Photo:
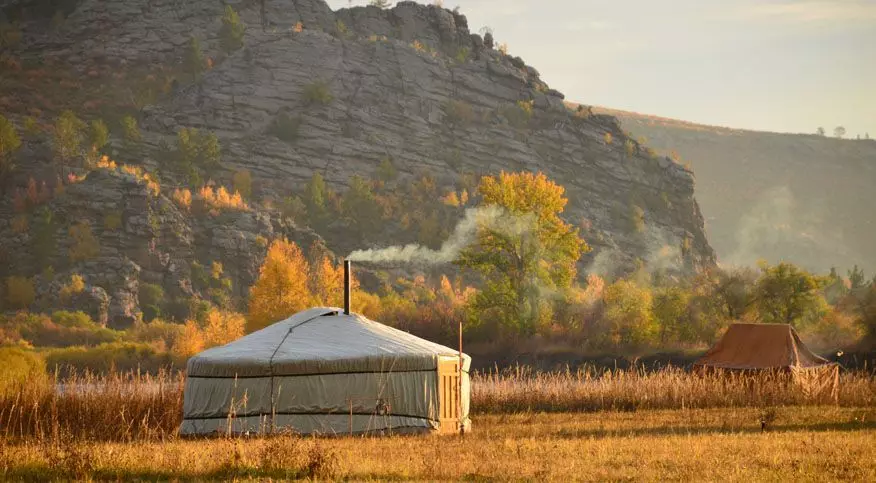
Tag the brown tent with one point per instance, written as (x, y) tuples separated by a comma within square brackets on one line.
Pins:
[(772, 347)]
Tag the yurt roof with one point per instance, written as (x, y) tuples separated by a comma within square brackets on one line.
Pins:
[(321, 340), (760, 346)]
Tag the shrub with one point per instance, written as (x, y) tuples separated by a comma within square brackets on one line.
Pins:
[(130, 131), (194, 59), (19, 292), (242, 182), (9, 143), (20, 366), (20, 224), (637, 218), (76, 286), (608, 138), (458, 113), (151, 298), (518, 115), (196, 149), (232, 30), (83, 245), (221, 199), (629, 147), (183, 198), (109, 357), (31, 127), (62, 329), (285, 127), (159, 334), (112, 221), (462, 55), (223, 327), (386, 172), (318, 92)]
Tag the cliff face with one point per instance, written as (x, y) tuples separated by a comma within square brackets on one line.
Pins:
[(410, 85), (802, 198)]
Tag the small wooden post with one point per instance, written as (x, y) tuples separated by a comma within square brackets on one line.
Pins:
[(459, 387)]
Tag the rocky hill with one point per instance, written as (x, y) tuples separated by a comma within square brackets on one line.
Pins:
[(803, 198), (309, 90)]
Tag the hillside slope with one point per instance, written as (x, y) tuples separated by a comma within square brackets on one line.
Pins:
[(356, 89), (803, 198)]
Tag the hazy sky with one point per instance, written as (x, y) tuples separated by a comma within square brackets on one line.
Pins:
[(774, 65)]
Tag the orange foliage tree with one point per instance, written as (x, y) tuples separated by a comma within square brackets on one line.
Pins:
[(281, 289)]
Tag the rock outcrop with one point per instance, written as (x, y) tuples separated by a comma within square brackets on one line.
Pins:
[(411, 84)]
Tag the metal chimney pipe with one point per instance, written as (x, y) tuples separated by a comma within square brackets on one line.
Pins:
[(348, 272)]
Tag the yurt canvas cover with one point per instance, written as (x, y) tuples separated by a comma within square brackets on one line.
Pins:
[(758, 347), (324, 371)]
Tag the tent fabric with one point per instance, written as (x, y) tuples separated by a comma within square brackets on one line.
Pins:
[(760, 346), (773, 347), (319, 371)]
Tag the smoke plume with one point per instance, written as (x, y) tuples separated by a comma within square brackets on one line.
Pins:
[(462, 236)]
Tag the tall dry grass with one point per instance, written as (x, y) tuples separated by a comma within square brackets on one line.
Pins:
[(115, 407), (141, 407), (590, 389)]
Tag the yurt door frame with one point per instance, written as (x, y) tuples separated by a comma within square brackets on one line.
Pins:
[(448, 395)]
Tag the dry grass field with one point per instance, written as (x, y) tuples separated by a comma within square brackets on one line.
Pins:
[(582, 425), (802, 444)]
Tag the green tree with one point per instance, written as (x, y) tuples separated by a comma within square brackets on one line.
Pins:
[(670, 309), (197, 150), (628, 313), (786, 294), (379, 3), (733, 291), (9, 143), (98, 134), (194, 63), (68, 136), (315, 199), (523, 250), (232, 30), (856, 277), (361, 207)]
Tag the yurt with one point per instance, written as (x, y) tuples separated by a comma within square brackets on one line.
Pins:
[(327, 371), (775, 348)]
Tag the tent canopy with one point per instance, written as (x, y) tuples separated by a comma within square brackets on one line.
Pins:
[(321, 340), (760, 346)]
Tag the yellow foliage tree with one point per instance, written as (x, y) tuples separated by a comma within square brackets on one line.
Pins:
[(223, 327), (281, 289), (327, 282), (190, 341)]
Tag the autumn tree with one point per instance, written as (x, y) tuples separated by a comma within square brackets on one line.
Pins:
[(326, 279), (281, 289), (786, 294), (9, 143), (522, 249), (222, 327)]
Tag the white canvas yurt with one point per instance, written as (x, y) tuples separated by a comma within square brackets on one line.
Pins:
[(327, 371)]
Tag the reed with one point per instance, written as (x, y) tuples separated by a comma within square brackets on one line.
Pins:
[(131, 406)]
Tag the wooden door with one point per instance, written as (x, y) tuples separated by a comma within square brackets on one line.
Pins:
[(448, 395)]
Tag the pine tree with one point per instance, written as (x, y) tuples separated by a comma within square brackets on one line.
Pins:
[(232, 30), (194, 61)]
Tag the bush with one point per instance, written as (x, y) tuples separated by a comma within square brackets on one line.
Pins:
[(159, 334), (318, 92), (19, 292), (285, 127), (194, 59), (197, 150), (130, 131), (9, 143), (62, 329), (20, 366), (458, 113), (84, 245), (67, 136), (76, 286), (98, 134), (242, 182), (151, 298), (518, 115), (110, 357)]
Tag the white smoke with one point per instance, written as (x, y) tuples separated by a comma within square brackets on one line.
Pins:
[(463, 235)]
